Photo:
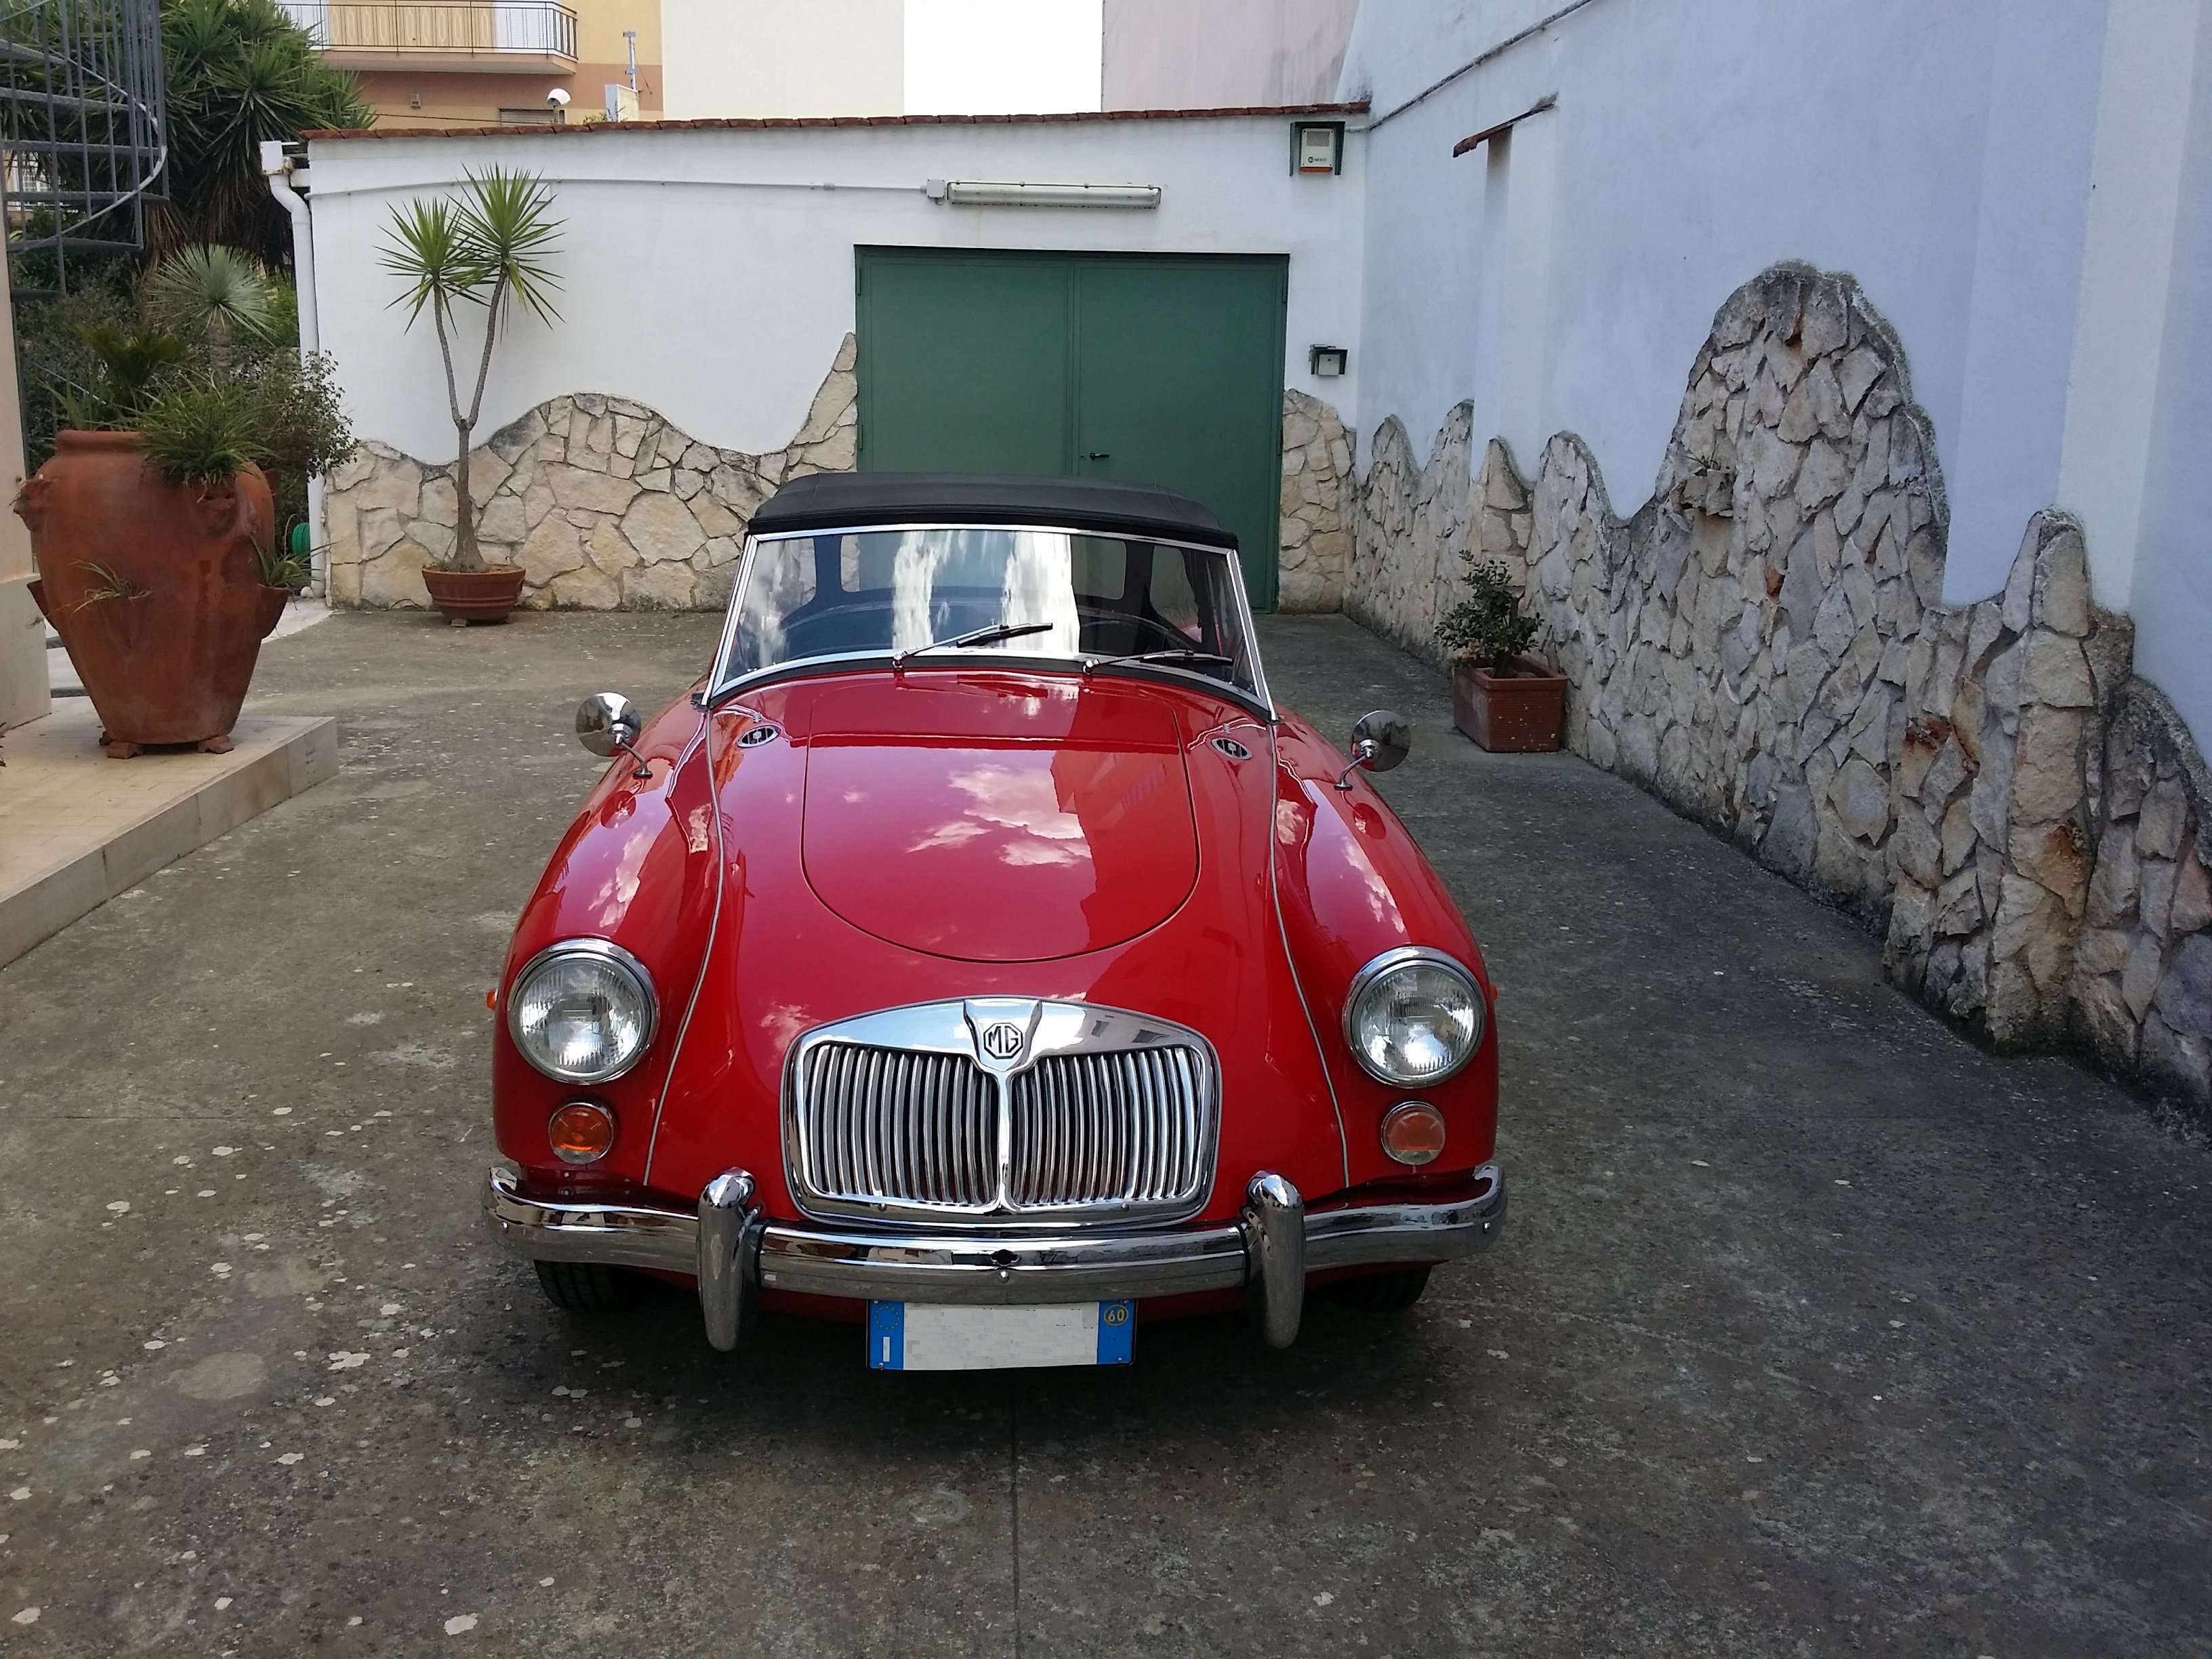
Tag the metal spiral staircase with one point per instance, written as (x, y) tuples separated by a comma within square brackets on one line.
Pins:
[(82, 138)]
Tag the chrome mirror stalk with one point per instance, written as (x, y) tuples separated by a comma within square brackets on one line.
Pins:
[(607, 724), (1380, 742)]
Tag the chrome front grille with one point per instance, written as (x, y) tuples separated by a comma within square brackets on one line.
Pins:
[(888, 1122), (995, 1110), (1119, 1128)]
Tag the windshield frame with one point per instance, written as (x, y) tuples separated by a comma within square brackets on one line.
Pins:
[(722, 687)]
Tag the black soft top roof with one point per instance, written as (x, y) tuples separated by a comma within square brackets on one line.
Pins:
[(841, 500)]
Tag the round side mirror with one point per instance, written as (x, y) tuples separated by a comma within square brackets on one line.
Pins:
[(606, 724), (1381, 740)]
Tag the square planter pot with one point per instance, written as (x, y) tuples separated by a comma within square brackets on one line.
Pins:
[(1516, 714)]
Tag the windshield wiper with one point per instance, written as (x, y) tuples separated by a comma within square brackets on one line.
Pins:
[(990, 635), (1171, 656)]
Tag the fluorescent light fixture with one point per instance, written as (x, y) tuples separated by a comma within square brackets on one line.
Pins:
[(971, 192)]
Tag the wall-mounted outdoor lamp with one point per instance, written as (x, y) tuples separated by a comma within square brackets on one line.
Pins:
[(1329, 362), (1317, 147), (970, 192)]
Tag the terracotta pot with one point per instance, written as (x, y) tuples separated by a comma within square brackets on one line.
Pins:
[(1517, 714), (153, 586), (273, 601), (467, 596)]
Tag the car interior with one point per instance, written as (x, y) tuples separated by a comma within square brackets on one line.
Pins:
[(1130, 597)]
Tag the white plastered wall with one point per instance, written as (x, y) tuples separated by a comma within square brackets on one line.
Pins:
[(2020, 188), (709, 274)]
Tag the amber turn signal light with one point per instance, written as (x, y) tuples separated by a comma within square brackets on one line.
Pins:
[(1413, 1132), (581, 1132)]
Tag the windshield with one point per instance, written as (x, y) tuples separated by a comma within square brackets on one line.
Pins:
[(1053, 595)]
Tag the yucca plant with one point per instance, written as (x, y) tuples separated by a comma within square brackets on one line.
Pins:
[(491, 249), (238, 72), (212, 295)]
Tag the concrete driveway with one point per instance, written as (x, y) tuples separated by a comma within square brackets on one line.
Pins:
[(1816, 1329)]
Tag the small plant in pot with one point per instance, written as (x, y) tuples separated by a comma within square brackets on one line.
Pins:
[(488, 249), (1503, 698), (144, 541), (148, 520)]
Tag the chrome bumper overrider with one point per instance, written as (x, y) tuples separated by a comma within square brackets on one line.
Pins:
[(733, 1251)]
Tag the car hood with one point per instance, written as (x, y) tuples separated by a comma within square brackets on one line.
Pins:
[(986, 824), (779, 960)]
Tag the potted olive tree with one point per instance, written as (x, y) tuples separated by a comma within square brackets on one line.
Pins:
[(487, 249), (153, 522), (1503, 699)]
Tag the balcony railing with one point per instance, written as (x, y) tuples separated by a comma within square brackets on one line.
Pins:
[(417, 31)]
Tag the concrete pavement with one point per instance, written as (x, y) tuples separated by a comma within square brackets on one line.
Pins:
[(1816, 1329)]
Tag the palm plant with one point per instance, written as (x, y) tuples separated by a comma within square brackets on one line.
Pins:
[(491, 248), (129, 365), (239, 72)]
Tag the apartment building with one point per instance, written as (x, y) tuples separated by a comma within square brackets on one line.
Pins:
[(476, 62)]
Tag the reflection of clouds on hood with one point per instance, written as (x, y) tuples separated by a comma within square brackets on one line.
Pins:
[(620, 887), (1024, 802), (957, 833), (1029, 853)]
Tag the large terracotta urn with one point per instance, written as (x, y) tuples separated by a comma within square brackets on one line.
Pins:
[(155, 587)]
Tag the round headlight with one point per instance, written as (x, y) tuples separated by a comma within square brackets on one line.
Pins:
[(581, 1011), (1414, 1016)]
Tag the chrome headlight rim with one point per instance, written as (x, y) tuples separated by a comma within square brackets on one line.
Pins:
[(603, 950), (1400, 957)]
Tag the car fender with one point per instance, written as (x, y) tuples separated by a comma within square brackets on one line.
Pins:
[(1351, 883), (637, 868)]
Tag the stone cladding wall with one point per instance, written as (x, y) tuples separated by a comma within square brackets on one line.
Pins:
[(1316, 522), (2142, 987), (1765, 645), (1410, 525), (606, 504)]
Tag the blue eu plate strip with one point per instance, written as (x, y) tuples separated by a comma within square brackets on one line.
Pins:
[(887, 1336), (1117, 1331)]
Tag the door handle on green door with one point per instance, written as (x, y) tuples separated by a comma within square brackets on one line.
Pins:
[(1098, 455)]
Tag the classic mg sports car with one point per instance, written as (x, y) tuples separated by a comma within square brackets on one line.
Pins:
[(979, 952)]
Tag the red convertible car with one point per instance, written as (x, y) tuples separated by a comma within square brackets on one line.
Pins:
[(979, 951)]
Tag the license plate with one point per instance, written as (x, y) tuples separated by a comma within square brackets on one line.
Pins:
[(914, 1336)]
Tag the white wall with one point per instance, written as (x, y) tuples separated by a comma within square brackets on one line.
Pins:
[(781, 57), (1219, 54), (2023, 187), (709, 273), (1696, 142), (2172, 581)]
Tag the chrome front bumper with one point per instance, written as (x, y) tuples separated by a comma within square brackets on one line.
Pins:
[(733, 1251)]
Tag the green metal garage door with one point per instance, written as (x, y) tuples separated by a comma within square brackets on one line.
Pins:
[(1158, 369)]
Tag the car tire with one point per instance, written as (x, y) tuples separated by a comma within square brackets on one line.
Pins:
[(586, 1287), (1385, 1293)]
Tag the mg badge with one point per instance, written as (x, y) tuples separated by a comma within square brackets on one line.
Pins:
[(1001, 1039)]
